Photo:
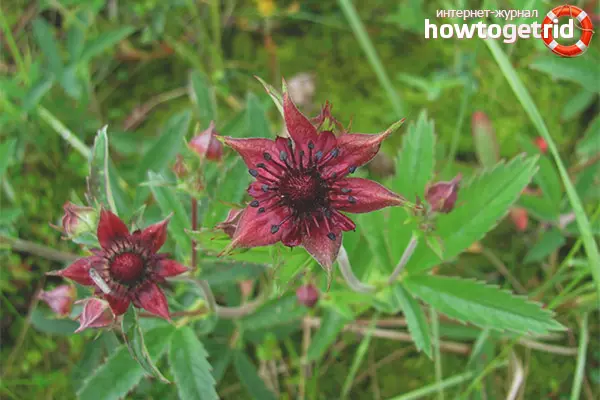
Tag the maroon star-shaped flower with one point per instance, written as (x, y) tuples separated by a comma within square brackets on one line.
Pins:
[(127, 268), (302, 189)]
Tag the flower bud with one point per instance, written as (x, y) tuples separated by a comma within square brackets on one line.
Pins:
[(441, 196), (541, 144), (78, 220), (96, 314), (60, 299), (520, 218), (230, 224), (207, 145), (307, 295)]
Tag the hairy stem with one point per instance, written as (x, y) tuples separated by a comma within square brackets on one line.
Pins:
[(408, 252), (39, 250), (351, 279)]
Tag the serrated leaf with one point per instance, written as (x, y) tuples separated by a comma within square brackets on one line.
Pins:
[(202, 94), (274, 94), (121, 373), (582, 70), (104, 42), (190, 367), (134, 339), (37, 91), (45, 38), (331, 326), (577, 104), (221, 273), (98, 182), (247, 374), (169, 202), (550, 241), (258, 125), (415, 319), (55, 326), (483, 305), (7, 155), (275, 312), (415, 161), (479, 207)]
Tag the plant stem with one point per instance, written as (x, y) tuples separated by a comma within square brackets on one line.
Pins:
[(194, 228), (39, 250), (435, 330), (351, 279), (580, 369), (64, 132), (408, 252)]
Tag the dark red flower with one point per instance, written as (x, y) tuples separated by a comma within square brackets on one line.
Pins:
[(60, 299), (78, 219), (441, 196), (206, 144), (301, 186), (541, 144), (127, 268), (96, 314), (307, 295)]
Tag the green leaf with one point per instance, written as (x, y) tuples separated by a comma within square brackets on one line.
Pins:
[(121, 373), (37, 91), (415, 319), (88, 361), (484, 140), (222, 273), (134, 338), (258, 125), (274, 94), (202, 94), (581, 70), (479, 207), (45, 38), (483, 305), (359, 356), (104, 42), (275, 312), (43, 323), (98, 181), (247, 374), (190, 367), (331, 326), (550, 241), (7, 154), (416, 159), (547, 177), (577, 104), (169, 202)]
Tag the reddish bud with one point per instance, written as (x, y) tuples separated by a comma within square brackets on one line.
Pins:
[(441, 196), (60, 299), (307, 295), (179, 168), (207, 145), (96, 314), (541, 144), (230, 224), (78, 219), (520, 218), (485, 140)]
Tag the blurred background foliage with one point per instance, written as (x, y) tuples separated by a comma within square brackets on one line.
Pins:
[(82, 64)]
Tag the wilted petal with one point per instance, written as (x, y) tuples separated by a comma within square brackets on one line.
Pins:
[(298, 126), (96, 314), (252, 150), (356, 149), (110, 228), (79, 271), (156, 234), (257, 228), (231, 222), (324, 246), (153, 300), (167, 268), (358, 195), (118, 305), (59, 299)]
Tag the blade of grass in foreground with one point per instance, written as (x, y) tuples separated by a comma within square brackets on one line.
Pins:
[(591, 248), (365, 42), (580, 371)]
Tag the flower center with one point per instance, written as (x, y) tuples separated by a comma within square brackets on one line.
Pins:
[(127, 267), (304, 191)]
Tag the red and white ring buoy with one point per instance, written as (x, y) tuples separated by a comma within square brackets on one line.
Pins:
[(586, 36)]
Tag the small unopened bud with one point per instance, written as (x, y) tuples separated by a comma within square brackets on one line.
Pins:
[(179, 168), (78, 220), (60, 299), (96, 314), (520, 218), (307, 295), (541, 144), (230, 224), (441, 196), (207, 145)]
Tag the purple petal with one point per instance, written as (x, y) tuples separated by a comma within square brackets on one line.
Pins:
[(298, 126), (79, 271), (167, 268), (323, 245), (118, 305), (110, 228), (252, 150), (256, 228), (151, 298), (358, 195), (96, 314), (155, 235)]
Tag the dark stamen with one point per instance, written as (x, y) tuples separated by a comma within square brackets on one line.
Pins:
[(311, 145), (261, 210), (318, 155), (352, 170), (253, 172), (301, 163), (282, 155), (327, 213), (254, 203), (331, 235), (335, 152), (274, 228), (346, 190), (260, 165), (267, 156), (265, 188), (351, 199)]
